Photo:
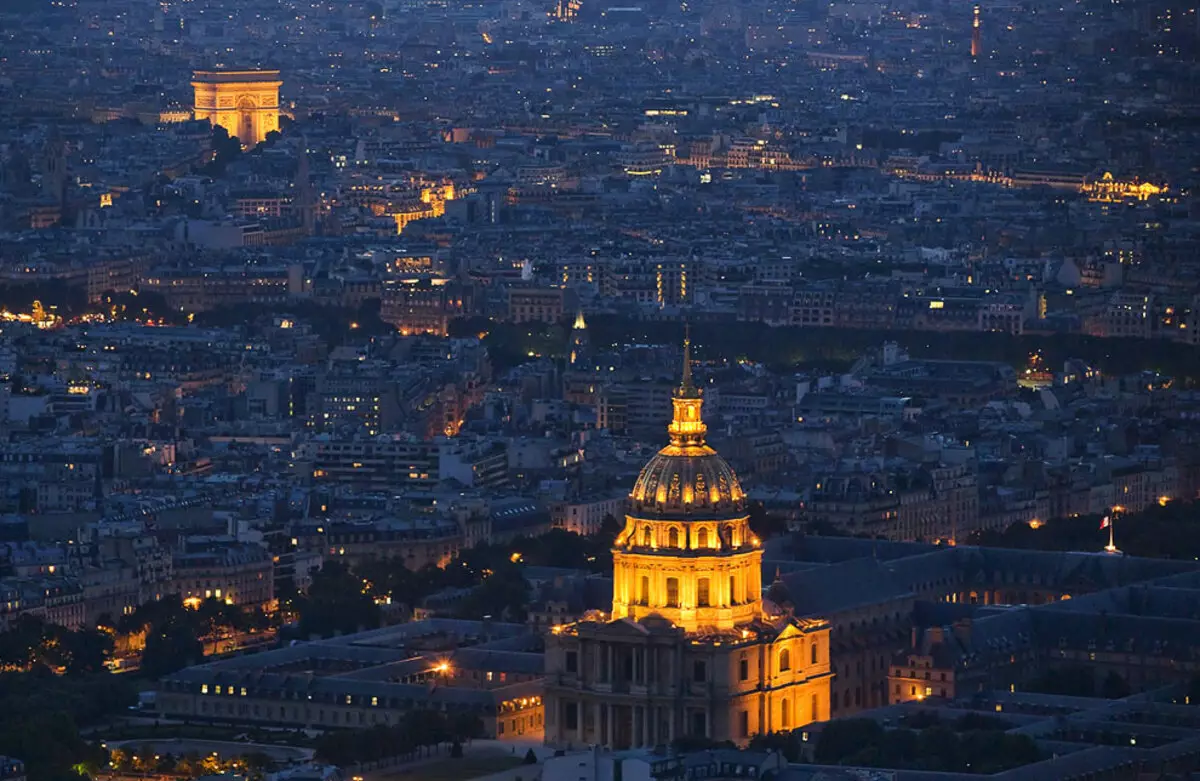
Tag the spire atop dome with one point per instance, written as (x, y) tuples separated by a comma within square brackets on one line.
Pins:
[(687, 388), (687, 427)]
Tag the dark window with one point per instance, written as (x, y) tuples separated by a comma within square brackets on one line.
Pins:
[(702, 598), (572, 715), (744, 723), (785, 661), (743, 670), (572, 661), (699, 672)]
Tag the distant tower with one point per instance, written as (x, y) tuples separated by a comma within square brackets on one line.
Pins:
[(579, 341), (54, 168), (976, 43), (304, 192)]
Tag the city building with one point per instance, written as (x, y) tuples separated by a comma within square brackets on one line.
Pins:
[(689, 647), (244, 102)]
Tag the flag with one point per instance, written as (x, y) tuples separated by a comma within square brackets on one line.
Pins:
[(1106, 522)]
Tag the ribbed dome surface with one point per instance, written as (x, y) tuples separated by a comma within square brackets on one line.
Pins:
[(680, 482)]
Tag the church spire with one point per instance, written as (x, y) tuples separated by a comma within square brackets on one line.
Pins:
[(686, 388), (687, 427)]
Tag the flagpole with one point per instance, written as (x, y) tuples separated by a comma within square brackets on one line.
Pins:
[(1111, 522)]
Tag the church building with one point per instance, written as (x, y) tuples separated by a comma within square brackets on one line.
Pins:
[(690, 649)]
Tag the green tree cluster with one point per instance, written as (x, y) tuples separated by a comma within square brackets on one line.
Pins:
[(966, 746), (226, 149), (42, 713), (495, 572), (143, 760), (335, 325), (338, 602), (1166, 532), (420, 732), (175, 633), (63, 300), (790, 347), (30, 643)]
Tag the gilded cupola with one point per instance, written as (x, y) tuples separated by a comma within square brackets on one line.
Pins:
[(687, 478)]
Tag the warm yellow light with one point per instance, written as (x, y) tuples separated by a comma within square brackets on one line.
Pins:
[(1034, 523), (1163, 500)]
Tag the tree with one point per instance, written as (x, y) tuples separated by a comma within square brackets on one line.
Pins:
[(786, 743), (465, 726), (336, 604), (257, 764), (843, 738), (170, 648), (765, 524), (530, 758)]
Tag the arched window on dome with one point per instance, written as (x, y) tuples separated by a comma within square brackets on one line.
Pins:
[(814, 655), (702, 593), (646, 536), (645, 595), (785, 713), (785, 660), (733, 600), (673, 538), (702, 538)]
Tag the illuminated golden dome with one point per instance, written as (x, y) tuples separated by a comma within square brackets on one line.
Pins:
[(687, 477)]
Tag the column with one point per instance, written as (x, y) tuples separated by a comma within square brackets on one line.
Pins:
[(579, 713)]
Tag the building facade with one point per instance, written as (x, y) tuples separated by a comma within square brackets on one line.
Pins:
[(690, 648), (245, 103)]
